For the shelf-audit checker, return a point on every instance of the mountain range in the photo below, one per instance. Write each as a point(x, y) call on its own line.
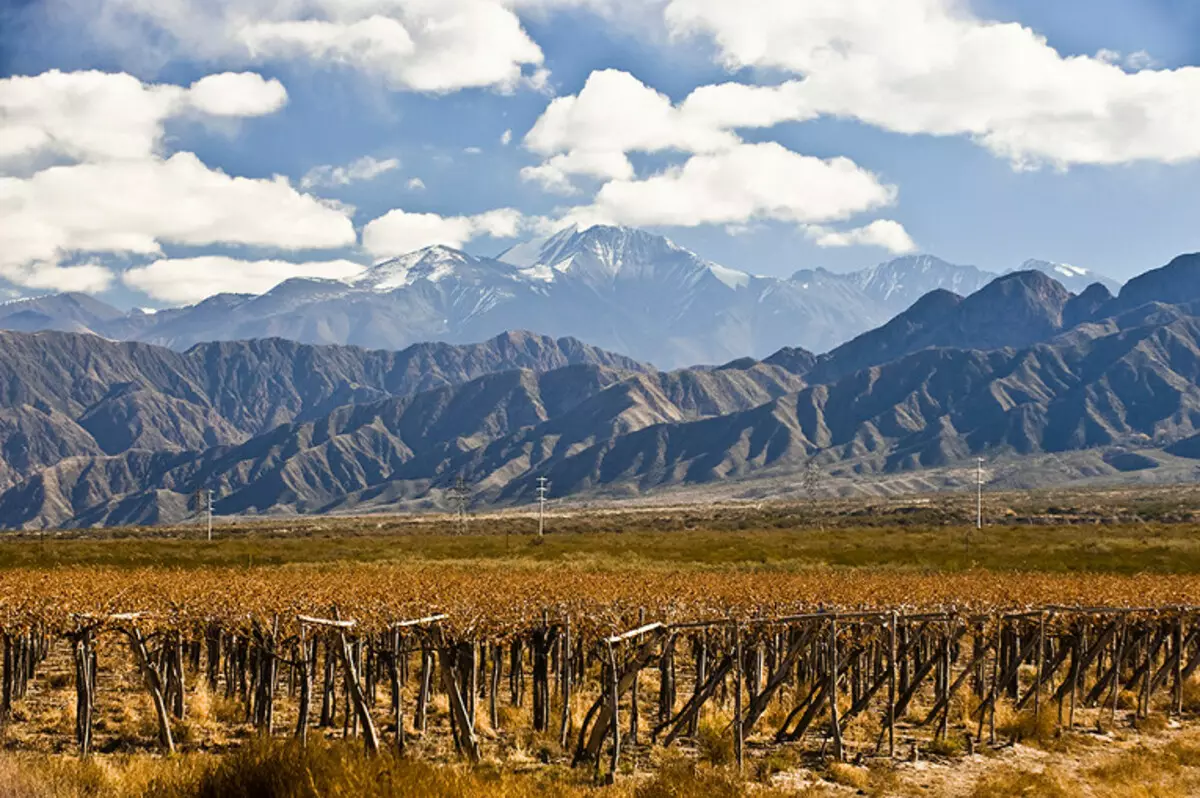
point(101, 432)
point(621, 289)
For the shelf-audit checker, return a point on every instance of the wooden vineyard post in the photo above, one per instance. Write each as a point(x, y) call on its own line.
point(305, 673)
point(701, 659)
point(497, 652)
point(1177, 685)
point(424, 687)
point(835, 728)
point(634, 709)
point(666, 678)
point(564, 728)
point(614, 698)
point(1041, 659)
point(737, 695)
point(1076, 666)
point(328, 685)
point(994, 693)
point(85, 688)
point(397, 690)
point(891, 707)
point(1117, 662)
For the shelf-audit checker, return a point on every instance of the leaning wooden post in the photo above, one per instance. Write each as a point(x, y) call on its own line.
point(891, 710)
point(154, 684)
point(834, 727)
point(737, 694)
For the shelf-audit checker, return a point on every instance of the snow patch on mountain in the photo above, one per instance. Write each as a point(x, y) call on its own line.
point(1074, 278)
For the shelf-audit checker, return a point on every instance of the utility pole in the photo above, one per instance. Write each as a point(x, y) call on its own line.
point(541, 492)
point(979, 495)
point(210, 493)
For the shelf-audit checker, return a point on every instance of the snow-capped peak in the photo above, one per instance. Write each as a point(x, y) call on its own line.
point(433, 264)
point(602, 254)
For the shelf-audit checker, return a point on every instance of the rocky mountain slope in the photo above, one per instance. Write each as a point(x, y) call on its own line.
point(70, 395)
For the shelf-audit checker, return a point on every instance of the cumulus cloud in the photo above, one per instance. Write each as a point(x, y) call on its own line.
point(237, 94)
point(85, 176)
point(506, 138)
point(92, 116)
point(614, 113)
point(188, 280)
point(415, 184)
point(885, 233)
point(745, 183)
point(133, 207)
point(398, 231)
point(365, 168)
point(933, 67)
point(418, 45)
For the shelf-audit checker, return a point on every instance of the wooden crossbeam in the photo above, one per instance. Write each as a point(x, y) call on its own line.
point(638, 632)
point(349, 623)
point(419, 621)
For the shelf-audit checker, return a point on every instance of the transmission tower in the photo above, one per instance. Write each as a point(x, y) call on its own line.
point(203, 502)
point(541, 493)
point(460, 500)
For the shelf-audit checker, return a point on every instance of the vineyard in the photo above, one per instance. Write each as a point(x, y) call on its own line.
point(445, 661)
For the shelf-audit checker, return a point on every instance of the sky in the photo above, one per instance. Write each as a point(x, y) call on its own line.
point(155, 152)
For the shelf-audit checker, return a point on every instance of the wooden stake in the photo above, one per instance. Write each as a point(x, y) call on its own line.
point(737, 695)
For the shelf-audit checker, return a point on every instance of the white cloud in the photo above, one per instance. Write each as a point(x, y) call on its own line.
point(745, 183)
point(590, 134)
point(87, 277)
point(237, 94)
point(416, 184)
point(419, 45)
point(473, 150)
point(117, 195)
point(398, 232)
point(613, 114)
point(135, 206)
point(506, 138)
point(92, 116)
point(187, 280)
point(555, 174)
point(885, 233)
point(931, 66)
point(365, 168)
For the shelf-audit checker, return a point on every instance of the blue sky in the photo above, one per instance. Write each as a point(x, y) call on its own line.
point(967, 176)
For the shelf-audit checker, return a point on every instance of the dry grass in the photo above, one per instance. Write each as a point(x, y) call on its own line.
point(1013, 782)
point(849, 775)
point(1027, 727)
